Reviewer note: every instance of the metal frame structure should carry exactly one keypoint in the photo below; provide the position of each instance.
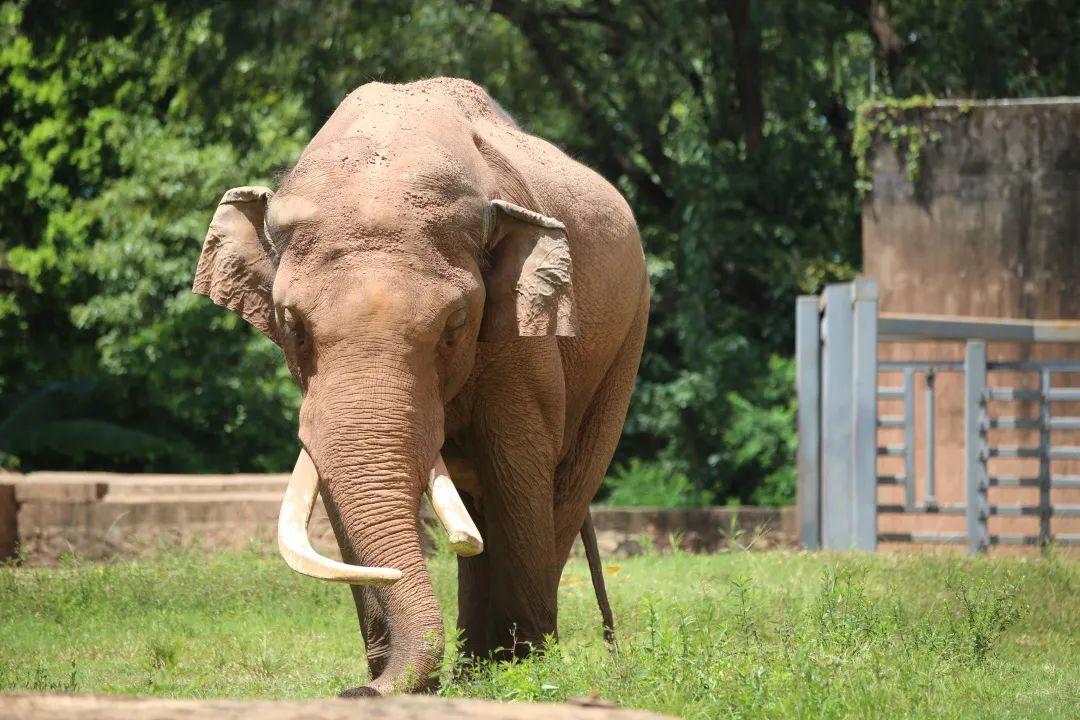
(836, 341)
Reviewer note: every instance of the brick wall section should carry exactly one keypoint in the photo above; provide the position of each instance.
(101, 516)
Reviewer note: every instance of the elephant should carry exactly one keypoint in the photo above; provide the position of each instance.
(460, 302)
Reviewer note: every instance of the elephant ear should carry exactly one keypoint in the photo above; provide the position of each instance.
(529, 282)
(236, 269)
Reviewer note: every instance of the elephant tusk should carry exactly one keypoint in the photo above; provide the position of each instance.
(293, 542)
(464, 537)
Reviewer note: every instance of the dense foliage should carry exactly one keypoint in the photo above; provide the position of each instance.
(727, 123)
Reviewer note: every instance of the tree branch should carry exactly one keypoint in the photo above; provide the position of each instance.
(881, 27)
(615, 157)
(747, 51)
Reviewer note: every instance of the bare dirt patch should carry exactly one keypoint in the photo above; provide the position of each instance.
(24, 706)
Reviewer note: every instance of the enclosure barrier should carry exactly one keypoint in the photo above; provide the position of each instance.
(837, 370)
(104, 516)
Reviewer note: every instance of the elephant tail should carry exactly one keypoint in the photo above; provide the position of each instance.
(592, 554)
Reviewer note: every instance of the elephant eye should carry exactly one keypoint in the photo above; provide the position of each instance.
(456, 321)
(454, 324)
(294, 326)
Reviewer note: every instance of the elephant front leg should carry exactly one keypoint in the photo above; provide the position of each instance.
(511, 595)
(474, 593)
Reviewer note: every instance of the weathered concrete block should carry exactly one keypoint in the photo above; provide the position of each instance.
(9, 527)
(83, 489)
(100, 516)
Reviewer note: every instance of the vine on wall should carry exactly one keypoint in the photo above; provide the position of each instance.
(909, 125)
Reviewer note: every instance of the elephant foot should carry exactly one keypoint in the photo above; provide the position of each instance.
(359, 692)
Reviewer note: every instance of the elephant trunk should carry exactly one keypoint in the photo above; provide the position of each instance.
(374, 463)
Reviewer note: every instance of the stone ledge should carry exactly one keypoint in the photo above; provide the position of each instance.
(24, 706)
(101, 516)
(89, 487)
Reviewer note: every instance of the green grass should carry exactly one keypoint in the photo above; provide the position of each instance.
(734, 635)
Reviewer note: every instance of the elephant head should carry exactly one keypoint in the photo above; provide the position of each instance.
(379, 266)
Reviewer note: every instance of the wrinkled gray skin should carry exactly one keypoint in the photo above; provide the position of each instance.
(417, 314)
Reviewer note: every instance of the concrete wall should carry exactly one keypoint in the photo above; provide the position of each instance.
(991, 228)
(9, 531)
(101, 516)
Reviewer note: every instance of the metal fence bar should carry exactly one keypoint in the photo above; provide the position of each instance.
(974, 438)
(1012, 481)
(1065, 481)
(1014, 423)
(928, 509)
(1003, 393)
(1012, 451)
(891, 421)
(808, 372)
(1069, 394)
(893, 326)
(1065, 452)
(931, 499)
(1070, 539)
(864, 298)
(909, 437)
(923, 366)
(1065, 510)
(1065, 423)
(890, 393)
(1044, 459)
(924, 537)
(1014, 540)
(1035, 366)
(836, 418)
(891, 450)
(890, 479)
(1013, 510)
(1056, 481)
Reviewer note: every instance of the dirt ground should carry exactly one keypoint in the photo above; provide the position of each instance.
(24, 706)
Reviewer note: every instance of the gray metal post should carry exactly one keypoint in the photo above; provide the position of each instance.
(909, 439)
(1044, 458)
(836, 419)
(864, 298)
(931, 497)
(808, 387)
(975, 446)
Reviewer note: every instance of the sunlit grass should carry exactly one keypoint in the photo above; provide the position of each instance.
(737, 634)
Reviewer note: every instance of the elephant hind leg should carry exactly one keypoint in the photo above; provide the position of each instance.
(581, 473)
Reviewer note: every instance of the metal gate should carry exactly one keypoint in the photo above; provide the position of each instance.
(837, 337)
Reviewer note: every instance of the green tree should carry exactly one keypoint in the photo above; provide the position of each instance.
(727, 124)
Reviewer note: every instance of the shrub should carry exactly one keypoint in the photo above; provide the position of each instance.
(641, 484)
